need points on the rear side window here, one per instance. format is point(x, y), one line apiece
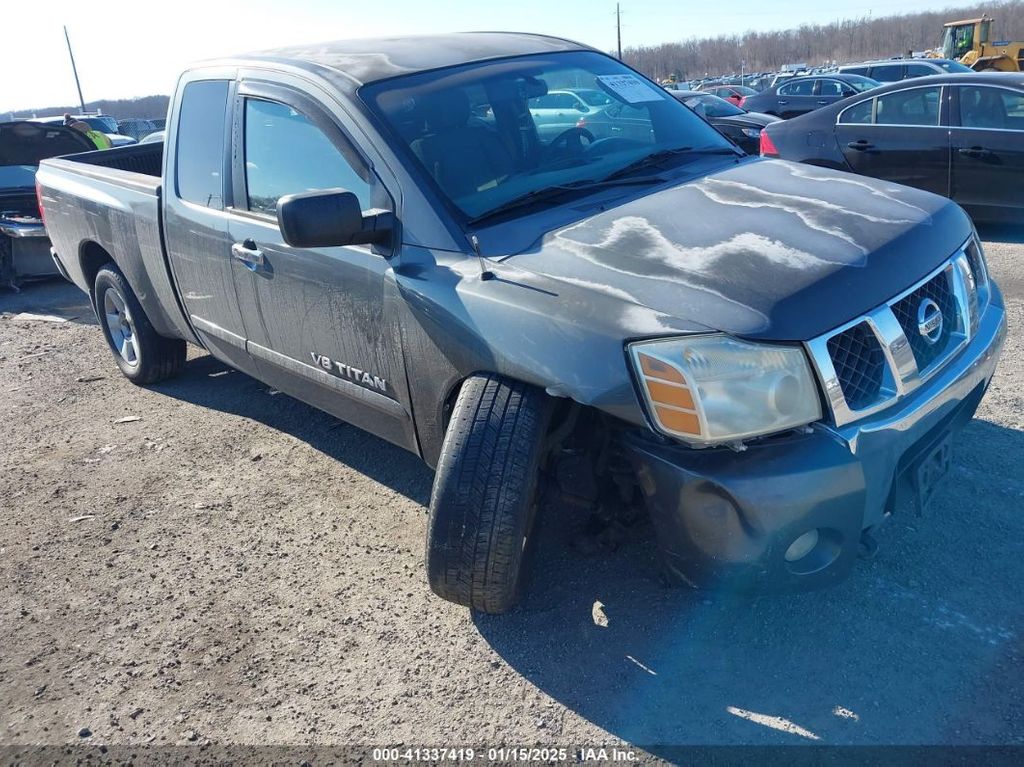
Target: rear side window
point(863, 71)
point(285, 153)
point(919, 106)
point(858, 114)
point(887, 73)
point(199, 168)
point(919, 70)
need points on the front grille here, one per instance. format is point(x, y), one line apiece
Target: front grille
point(859, 363)
point(873, 361)
point(939, 290)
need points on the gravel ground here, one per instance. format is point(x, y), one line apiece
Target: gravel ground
point(234, 567)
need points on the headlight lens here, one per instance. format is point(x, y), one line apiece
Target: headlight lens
point(751, 132)
point(711, 389)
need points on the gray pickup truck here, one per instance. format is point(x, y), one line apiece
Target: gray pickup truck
point(769, 358)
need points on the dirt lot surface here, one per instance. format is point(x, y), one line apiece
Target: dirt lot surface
point(233, 566)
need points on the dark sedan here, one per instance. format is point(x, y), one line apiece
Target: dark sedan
point(961, 136)
point(739, 125)
point(800, 95)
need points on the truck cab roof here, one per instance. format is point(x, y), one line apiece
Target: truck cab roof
point(368, 60)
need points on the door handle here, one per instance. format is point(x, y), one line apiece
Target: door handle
point(975, 151)
point(861, 145)
point(822, 101)
point(247, 252)
point(783, 101)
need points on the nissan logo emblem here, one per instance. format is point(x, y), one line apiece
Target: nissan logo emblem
point(929, 320)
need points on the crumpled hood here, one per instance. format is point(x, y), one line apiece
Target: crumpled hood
point(766, 249)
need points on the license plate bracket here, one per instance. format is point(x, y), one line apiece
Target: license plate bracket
point(929, 472)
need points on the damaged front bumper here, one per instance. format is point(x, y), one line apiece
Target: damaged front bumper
point(739, 519)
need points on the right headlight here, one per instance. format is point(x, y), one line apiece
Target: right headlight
point(713, 389)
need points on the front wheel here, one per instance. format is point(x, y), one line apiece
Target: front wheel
point(485, 493)
point(144, 356)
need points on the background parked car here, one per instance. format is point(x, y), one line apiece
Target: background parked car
point(891, 71)
point(732, 93)
point(801, 95)
point(961, 136)
point(102, 123)
point(740, 126)
point(153, 138)
point(24, 247)
point(559, 110)
point(135, 128)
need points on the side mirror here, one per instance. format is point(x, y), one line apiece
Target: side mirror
point(581, 108)
point(329, 218)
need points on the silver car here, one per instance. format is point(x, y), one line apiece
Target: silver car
point(588, 109)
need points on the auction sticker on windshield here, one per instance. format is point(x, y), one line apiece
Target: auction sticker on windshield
point(631, 89)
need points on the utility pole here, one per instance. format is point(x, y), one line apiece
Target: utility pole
point(618, 28)
point(74, 69)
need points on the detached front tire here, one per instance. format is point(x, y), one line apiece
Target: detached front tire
point(144, 356)
point(486, 492)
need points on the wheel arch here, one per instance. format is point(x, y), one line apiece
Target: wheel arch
point(91, 258)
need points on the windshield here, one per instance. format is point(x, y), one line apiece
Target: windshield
point(707, 105)
point(953, 66)
point(860, 83)
point(479, 134)
point(17, 176)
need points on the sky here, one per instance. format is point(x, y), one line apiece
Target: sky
point(122, 50)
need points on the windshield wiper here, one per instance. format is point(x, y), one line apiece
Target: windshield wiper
point(657, 158)
point(558, 190)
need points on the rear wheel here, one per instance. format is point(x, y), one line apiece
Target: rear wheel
point(486, 493)
point(144, 356)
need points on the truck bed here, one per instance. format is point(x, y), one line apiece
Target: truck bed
point(109, 204)
point(139, 165)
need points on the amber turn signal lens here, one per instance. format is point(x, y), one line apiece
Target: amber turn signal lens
point(678, 420)
point(655, 368)
point(670, 397)
point(666, 394)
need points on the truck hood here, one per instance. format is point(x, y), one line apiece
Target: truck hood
point(26, 143)
point(767, 249)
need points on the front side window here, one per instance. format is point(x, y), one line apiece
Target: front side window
point(918, 106)
point(285, 153)
point(481, 166)
point(832, 88)
point(954, 66)
point(998, 108)
point(199, 167)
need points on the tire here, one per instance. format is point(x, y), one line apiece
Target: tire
point(485, 493)
point(144, 356)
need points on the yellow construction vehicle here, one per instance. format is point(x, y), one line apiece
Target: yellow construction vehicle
point(968, 42)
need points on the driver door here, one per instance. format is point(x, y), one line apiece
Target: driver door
point(316, 319)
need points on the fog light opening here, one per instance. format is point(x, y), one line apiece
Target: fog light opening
point(802, 546)
point(813, 551)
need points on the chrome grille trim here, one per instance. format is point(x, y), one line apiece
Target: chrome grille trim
point(901, 374)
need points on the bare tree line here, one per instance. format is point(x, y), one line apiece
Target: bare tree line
point(148, 107)
point(841, 41)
